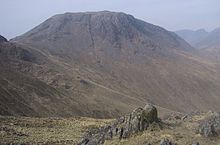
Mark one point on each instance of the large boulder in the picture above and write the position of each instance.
(210, 127)
(139, 120)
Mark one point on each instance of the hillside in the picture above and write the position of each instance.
(104, 64)
(33, 84)
(20, 93)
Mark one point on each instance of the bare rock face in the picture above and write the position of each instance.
(3, 39)
(137, 121)
(210, 127)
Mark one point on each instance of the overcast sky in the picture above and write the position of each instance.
(19, 16)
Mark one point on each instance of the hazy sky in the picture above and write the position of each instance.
(19, 16)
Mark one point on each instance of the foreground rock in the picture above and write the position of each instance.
(139, 120)
(210, 127)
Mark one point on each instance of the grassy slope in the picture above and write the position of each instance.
(45, 130)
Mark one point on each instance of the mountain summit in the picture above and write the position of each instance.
(71, 32)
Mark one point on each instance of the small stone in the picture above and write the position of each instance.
(166, 142)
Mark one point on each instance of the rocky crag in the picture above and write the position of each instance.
(137, 121)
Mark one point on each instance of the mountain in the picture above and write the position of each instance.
(200, 38)
(104, 64)
(208, 43)
(66, 33)
(193, 37)
(212, 40)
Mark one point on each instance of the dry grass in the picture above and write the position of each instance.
(27, 130)
(45, 130)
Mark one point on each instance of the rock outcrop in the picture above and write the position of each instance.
(210, 126)
(137, 121)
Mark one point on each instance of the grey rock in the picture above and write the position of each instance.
(94, 137)
(139, 120)
(166, 142)
(150, 113)
(210, 127)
